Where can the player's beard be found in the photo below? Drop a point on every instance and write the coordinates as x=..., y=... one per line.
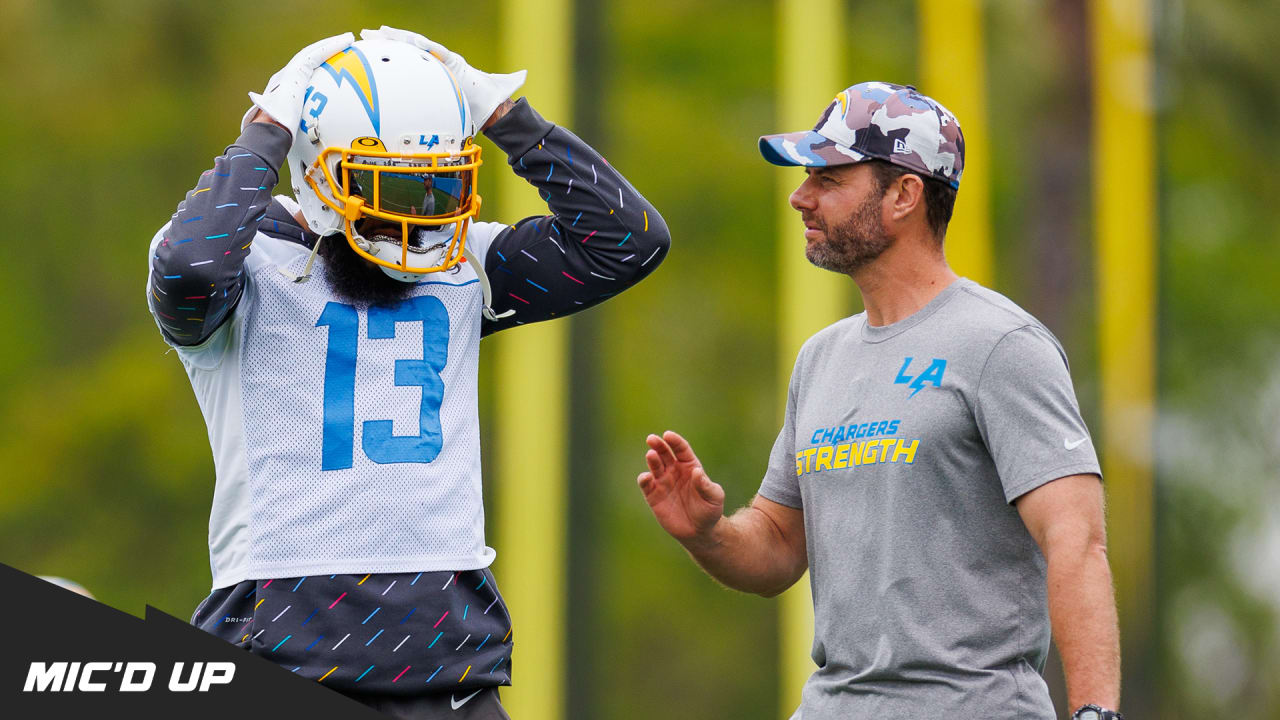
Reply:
x=357, y=280
x=854, y=242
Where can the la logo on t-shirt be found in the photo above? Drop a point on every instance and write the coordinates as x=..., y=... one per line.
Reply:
x=932, y=375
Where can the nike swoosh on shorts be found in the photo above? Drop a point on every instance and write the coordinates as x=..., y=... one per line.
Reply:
x=455, y=704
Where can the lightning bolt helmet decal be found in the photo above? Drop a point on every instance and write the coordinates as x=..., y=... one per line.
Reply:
x=353, y=66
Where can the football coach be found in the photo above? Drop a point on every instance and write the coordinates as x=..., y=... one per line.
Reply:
x=932, y=473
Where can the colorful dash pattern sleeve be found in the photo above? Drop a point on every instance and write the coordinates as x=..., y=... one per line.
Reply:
x=197, y=267
x=600, y=238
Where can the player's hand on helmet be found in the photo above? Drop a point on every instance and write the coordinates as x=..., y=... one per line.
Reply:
x=484, y=91
x=684, y=500
x=282, y=99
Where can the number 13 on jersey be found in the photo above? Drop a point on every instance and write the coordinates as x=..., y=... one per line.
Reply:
x=378, y=443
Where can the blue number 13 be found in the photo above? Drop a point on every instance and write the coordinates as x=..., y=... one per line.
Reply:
x=379, y=444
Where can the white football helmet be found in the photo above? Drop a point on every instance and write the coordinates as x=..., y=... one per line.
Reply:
x=385, y=154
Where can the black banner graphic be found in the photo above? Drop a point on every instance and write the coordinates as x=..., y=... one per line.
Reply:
x=64, y=655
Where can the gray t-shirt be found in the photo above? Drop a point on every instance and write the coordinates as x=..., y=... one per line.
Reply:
x=905, y=446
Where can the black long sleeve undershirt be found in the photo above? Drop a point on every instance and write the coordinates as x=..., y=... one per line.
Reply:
x=600, y=238
x=196, y=271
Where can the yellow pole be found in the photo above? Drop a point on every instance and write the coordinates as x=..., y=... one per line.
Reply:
x=810, y=39
x=953, y=72
x=530, y=402
x=1124, y=214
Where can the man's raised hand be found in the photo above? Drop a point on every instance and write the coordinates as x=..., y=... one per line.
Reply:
x=686, y=503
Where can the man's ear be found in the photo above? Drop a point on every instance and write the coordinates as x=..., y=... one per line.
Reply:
x=907, y=196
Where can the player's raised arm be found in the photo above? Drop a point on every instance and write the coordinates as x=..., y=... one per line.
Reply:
x=197, y=258
x=601, y=237
x=759, y=549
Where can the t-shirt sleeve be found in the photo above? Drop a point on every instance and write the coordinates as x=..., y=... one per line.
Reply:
x=781, y=484
x=1027, y=413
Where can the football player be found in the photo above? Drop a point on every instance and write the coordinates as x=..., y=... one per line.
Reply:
x=332, y=341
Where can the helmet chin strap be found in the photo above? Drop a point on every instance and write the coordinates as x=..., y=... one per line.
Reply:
x=352, y=211
x=306, y=269
x=485, y=291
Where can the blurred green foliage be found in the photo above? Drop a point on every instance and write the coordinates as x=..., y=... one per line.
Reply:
x=115, y=108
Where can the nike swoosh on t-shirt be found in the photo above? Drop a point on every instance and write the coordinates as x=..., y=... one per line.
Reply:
x=1072, y=444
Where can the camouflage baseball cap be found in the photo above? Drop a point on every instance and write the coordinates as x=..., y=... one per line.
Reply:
x=878, y=120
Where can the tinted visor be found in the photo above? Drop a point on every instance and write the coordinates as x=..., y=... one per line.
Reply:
x=406, y=192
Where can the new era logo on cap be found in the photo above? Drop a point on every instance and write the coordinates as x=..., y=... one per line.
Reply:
x=878, y=120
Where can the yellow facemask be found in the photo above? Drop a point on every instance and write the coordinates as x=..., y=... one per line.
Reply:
x=411, y=190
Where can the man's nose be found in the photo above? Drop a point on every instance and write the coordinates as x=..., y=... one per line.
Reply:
x=800, y=198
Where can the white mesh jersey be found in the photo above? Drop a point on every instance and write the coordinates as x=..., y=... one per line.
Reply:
x=345, y=439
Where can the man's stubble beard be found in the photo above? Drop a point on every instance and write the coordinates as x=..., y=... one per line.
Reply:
x=853, y=243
